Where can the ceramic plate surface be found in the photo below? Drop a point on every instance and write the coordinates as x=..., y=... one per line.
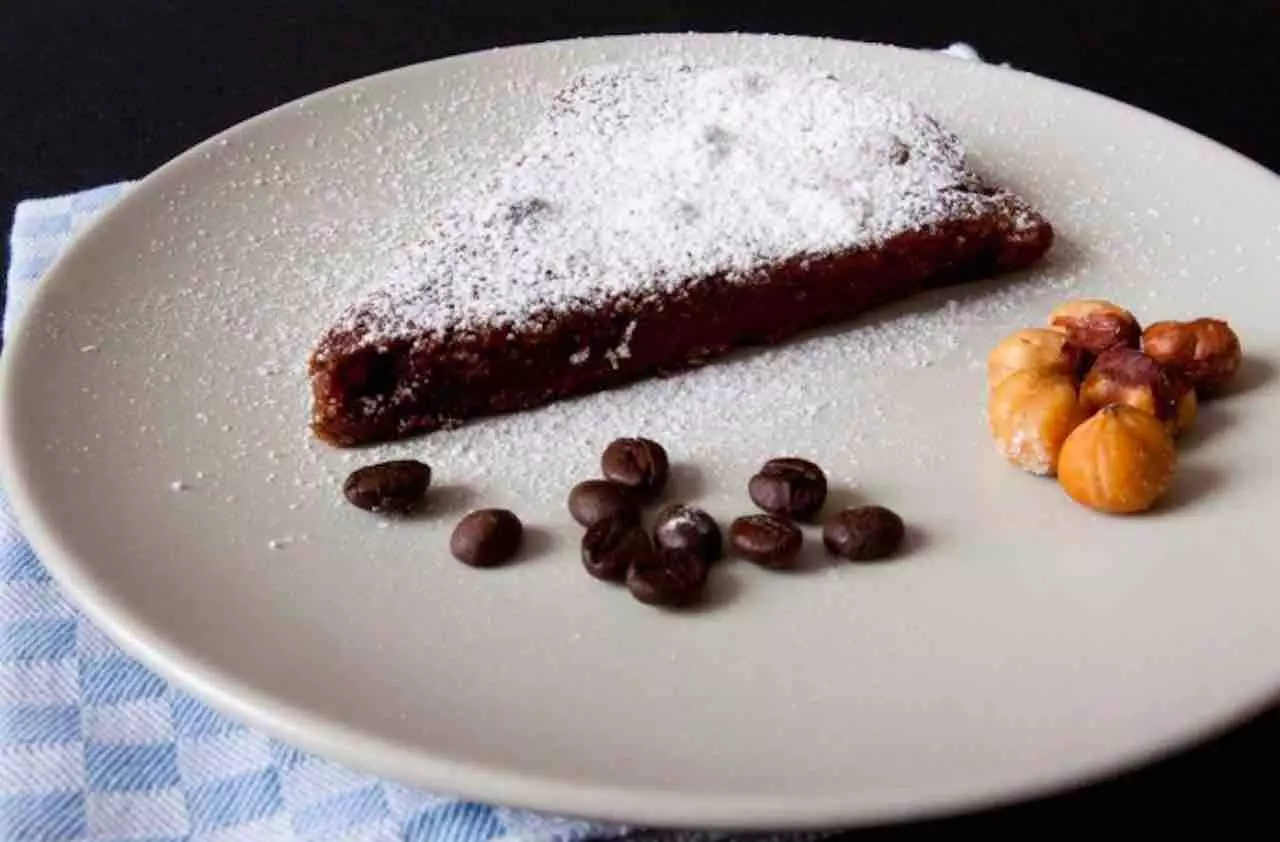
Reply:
x=156, y=449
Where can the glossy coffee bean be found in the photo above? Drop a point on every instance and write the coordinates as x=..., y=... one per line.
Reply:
x=398, y=486
x=672, y=578
x=595, y=499
x=486, y=537
x=768, y=540
x=681, y=527
x=789, y=487
x=639, y=463
x=867, y=533
x=612, y=545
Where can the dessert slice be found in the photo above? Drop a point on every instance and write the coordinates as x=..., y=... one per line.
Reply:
x=656, y=217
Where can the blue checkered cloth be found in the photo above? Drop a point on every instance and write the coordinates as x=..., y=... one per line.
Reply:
x=94, y=746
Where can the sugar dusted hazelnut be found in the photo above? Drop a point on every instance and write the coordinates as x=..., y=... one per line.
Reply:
x=1034, y=348
x=1206, y=351
x=1120, y=461
x=1096, y=325
x=1127, y=376
x=1031, y=413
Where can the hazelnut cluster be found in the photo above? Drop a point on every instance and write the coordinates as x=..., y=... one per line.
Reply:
x=1097, y=401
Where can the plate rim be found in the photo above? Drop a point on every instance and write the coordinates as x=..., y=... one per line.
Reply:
x=333, y=740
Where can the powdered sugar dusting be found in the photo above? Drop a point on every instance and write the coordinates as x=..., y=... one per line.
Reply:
x=644, y=176
x=1028, y=451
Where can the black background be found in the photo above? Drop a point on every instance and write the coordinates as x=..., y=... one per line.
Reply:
x=93, y=91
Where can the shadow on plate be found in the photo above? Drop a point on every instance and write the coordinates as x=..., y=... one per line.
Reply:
x=1254, y=372
x=914, y=540
x=1192, y=483
x=1217, y=415
x=685, y=483
x=536, y=542
x=724, y=585
x=1212, y=419
x=448, y=500
x=839, y=498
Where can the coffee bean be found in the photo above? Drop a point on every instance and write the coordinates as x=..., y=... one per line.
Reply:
x=397, y=486
x=863, y=534
x=681, y=527
x=791, y=487
x=612, y=545
x=486, y=537
x=767, y=540
x=596, y=499
x=668, y=577
x=639, y=463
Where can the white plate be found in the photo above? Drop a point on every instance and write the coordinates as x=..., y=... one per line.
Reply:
x=1021, y=644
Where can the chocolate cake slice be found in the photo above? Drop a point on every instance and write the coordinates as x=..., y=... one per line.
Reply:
x=658, y=216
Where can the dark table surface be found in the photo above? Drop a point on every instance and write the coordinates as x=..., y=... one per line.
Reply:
x=94, y=92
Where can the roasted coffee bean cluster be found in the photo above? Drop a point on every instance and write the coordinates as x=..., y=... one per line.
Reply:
x=670, y=563
x=790, y=489
x=668, y=567
x=787, y=489
x=484, y=538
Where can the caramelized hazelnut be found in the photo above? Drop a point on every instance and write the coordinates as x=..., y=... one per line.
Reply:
x=1120, y=461
x=1096, y=325
x=1033, y=348
x=1206, y=351
x=1188, y=409
x=1124, y=375
x=1031, y=413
